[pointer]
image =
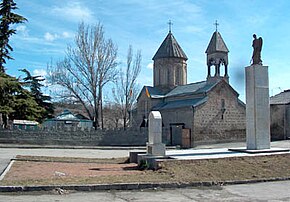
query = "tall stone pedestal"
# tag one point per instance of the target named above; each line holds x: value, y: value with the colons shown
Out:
x: 257, y: 108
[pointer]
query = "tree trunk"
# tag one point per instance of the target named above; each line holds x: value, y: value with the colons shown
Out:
x: 5, y: 120
x: 99, y: 109
x: 96, y: 121
x: 101, y: 113
x: 124, y: 122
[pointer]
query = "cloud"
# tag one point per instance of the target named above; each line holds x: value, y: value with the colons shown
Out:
x: 42, y: 73
x: 150, y: 65
x: 50, y: 37
x: 66, y: 35
x: 74, y: 11
x: 39, y: 72
x: 22, y: 30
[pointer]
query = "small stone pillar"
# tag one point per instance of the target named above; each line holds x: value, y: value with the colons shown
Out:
x: 155, y: 146
x: 257, y: 108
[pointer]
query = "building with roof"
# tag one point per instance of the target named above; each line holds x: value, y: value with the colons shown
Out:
x: 69, y: 122
x: 280, y: 115
x: 25, y: 124
x: 195, y: 113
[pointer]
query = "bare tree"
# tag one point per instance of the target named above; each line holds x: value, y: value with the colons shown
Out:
x: 112, y: 116
x: 87, y: 68
x: 125, y: 91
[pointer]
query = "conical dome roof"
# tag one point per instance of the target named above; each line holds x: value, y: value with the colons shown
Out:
x: 216, y: 44
x: 170, y: 49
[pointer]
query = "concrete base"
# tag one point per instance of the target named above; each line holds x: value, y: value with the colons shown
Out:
x: 257, y: 151
x: 133, y: 156
x: 156, y: 149
x: 149, y: 161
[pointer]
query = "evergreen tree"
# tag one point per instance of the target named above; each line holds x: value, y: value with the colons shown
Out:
x: 44, y: 101
x: 17, y: 102
x: 7, y: 18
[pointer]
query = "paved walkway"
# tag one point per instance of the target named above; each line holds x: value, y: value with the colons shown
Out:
x: 222, y: 151
x: 191, y: 154
x: 270, y: 191
x: 280, y: 144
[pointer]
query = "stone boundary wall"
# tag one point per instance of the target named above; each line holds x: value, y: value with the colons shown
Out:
x: 129, y: 137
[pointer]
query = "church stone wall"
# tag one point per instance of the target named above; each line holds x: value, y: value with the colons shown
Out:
x: 175, y: 116
x: 144, y: 106
x: 220, y: 119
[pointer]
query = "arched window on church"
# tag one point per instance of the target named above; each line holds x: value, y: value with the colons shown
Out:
x: 159, y: 77
x: 223, y: 107
x: 177, y: 76
x: 167, y: 76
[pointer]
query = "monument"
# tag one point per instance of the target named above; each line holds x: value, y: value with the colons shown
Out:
x: 155, y: 149
x: 257, y: 101
x: 257, y: 105
x: 155, y: 146
x: 257, y: 46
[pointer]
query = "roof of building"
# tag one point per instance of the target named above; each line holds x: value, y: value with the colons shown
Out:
x: 80, y: 116
x: 199, y: 90
x: 170, y: 49
x: 67, y: 115
x: 24, y: 122
x: 181, y: 103
x: 281, y: 98
x: 153, y: 92
x: 192, y: 88
x: 188, y: 89
x: 216, y: 44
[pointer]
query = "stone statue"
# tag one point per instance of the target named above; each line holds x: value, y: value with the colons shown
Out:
x: 257, y: 46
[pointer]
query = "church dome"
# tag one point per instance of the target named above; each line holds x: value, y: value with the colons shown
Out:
x: 170, y: 49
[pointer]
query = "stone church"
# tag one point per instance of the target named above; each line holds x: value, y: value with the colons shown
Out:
x: 202, y: 112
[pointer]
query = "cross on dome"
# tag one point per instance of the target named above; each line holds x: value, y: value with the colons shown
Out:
x: 170, y: 25
x: 216, y: 25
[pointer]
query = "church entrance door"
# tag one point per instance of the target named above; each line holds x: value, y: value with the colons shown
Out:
x: 176, y: 133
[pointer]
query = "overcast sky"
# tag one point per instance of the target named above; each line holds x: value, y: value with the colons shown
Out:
x: 52, y: 25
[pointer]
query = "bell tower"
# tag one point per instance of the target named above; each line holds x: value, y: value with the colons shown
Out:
x: 169, y: 67
x: 217, y: 56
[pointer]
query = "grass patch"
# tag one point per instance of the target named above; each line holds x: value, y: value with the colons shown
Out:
x: 234, y: 168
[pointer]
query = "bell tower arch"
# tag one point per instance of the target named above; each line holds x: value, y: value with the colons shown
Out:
x: 217, y: 57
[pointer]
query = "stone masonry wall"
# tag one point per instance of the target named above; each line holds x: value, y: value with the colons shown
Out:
x: 211, y: 124
x: 175, y: 116
x: 170, y: 72
x: 81, y: 138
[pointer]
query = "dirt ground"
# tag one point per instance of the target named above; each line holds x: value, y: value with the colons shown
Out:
x: 29, y: 170
x: 53, y: 170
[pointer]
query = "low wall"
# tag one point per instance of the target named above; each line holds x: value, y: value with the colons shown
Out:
x: 128, y: 137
